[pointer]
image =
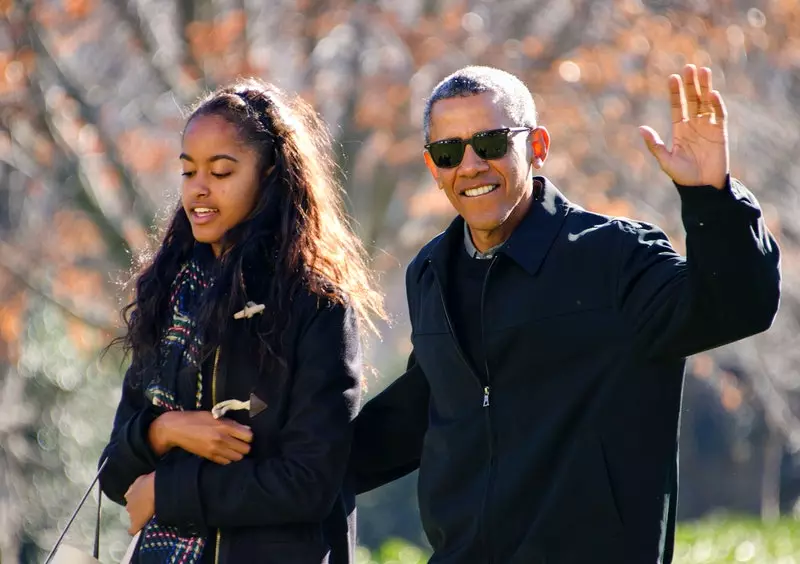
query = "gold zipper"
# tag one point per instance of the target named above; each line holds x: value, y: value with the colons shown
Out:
x: 214, y: 402
x: 214, y: 378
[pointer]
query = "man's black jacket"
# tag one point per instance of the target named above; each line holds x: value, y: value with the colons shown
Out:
x: 284, y: 502
x: 566, y: 452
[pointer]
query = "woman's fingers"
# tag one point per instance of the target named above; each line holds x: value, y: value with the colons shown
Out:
x: 236, y: 430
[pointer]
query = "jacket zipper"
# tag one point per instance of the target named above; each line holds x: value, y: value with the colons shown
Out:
x: 490, y: 432
x: 486, y: 390
x: 214, y: 402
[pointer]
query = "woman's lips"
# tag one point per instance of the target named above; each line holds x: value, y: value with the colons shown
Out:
x: 201, y: 216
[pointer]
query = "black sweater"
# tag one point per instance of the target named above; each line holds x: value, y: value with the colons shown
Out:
x: 464, y: 305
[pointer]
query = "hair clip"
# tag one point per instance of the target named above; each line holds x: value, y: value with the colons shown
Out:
x: 249, y: 311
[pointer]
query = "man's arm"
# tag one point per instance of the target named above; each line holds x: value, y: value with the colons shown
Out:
x: 391, y: 427
x: 390, y: 430
x: 726, y: 288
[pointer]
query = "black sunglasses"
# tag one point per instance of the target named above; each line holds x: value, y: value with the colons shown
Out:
x: 488, y: 145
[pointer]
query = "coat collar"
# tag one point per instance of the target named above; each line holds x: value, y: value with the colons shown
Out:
x: 528, y: 244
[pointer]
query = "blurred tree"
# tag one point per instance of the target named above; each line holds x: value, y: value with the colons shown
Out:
x: 91, y: 98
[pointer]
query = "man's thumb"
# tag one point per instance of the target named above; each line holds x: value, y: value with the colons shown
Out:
x: 654, y: 143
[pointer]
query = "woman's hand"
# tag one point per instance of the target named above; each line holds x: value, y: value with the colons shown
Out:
x: 219, y: 440
x: 140, y: 501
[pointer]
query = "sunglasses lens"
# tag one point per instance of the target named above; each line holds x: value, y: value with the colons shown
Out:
x: 487, y: 145
x: 447, y: 154
x: 491, y: 145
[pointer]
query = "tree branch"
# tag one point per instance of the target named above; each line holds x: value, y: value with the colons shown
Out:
x: 90, y: 114
x: 8, y: 264
x: 68, y: 173
x: 776, y: 405
x: 568, y: 37
x: 170, y: 77
x: 187, y: 13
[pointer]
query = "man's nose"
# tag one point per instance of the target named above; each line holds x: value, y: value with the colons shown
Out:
x: 472, y: 164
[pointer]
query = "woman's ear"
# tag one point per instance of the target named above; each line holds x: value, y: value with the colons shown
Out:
x: 540, y: 146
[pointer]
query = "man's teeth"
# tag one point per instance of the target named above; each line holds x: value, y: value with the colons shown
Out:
x: 479, y: 191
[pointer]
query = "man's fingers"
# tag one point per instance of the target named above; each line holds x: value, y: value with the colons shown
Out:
x: 677, y: 99
x: 720, y: 112
x: 692, y: 87
x: 706, y: 104
x: 704, y: 80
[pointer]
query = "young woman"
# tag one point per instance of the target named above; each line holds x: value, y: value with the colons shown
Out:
x: 232, y: 435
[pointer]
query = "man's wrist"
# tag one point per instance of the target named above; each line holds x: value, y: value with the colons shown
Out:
x: 724, y: 186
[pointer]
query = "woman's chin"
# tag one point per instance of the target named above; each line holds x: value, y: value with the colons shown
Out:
x: 203, y: 236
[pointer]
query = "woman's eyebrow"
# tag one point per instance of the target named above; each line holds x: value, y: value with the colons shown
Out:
x: 185, y: 157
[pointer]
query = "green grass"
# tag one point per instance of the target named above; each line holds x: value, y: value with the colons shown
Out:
x: 715, y: 540
x: 738, y: 539
x: 393, y: 551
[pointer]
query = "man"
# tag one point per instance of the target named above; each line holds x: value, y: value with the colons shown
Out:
x: 542, y: 398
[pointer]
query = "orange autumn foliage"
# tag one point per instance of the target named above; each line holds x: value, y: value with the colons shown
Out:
x: 12, y: 323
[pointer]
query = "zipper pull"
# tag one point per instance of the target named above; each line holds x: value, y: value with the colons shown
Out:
x: 486, y: 396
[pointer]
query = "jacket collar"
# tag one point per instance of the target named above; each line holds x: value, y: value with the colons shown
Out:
x: 528, y: 244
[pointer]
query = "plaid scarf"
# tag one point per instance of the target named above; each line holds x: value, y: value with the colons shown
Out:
x: 178, y: 386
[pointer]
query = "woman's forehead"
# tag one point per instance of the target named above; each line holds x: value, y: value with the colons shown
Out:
x: 209, y: 125
x: 212, y: 134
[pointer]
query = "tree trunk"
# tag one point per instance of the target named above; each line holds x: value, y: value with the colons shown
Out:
x: 771, y: 476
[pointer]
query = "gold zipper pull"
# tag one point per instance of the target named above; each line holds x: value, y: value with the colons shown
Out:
x: 486, y: 391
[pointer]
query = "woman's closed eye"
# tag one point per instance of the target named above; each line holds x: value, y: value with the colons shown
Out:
x: 190, y: 173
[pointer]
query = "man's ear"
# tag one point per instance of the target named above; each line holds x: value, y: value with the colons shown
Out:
x: 433, y: 168
x: 540, y: 146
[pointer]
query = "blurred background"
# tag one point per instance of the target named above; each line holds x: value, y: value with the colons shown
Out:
x: 92, y: 94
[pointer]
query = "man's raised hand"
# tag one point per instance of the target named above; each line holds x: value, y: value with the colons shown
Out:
x: 699, y: 153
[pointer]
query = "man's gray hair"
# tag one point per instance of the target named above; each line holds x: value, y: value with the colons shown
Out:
x: 510, y: 92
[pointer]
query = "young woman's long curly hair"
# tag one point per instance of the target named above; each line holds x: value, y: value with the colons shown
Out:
x: 297, y: 232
